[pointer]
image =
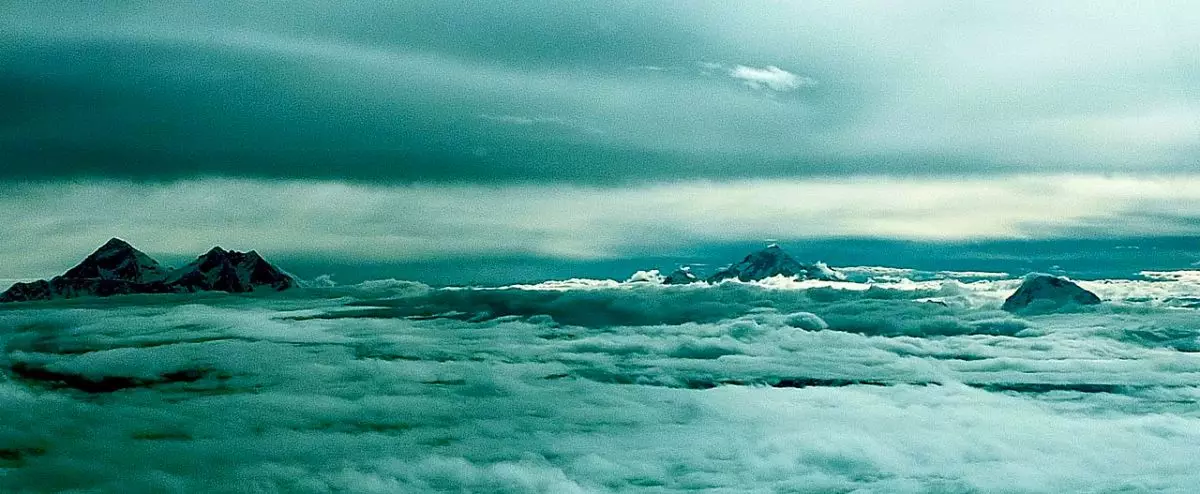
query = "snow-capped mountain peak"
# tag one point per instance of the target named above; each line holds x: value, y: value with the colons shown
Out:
x: 774, y: 261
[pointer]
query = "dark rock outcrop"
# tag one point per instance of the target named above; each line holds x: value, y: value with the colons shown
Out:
x: 773, y: 261
x: 34, y: 290
x: 116, y: 268
x: 681, y: 276
x: 1048, y: 292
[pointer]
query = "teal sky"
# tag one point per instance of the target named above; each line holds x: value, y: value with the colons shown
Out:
x: 396, y: 132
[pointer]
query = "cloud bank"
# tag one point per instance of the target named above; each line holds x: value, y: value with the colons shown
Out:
x: 390, y: 92
x: 588, y: 386
x: 372, y: 223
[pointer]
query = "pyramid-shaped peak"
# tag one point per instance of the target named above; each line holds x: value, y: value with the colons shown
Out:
x: 114, y: 247
x: 117, y: 260
x: 115, y: 244
x: 215, y: 251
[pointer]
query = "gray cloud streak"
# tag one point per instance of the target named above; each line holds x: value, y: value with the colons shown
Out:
x: 58, y: 223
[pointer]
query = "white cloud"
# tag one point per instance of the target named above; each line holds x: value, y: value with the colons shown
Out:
x: 986, y: 94
x: 510, y: 394
x: 770, y: 77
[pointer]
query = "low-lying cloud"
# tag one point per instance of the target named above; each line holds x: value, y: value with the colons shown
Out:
x: 592, y: 386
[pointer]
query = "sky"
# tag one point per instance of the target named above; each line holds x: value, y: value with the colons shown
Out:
x: 400, y: 133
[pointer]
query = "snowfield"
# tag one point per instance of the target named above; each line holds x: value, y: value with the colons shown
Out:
x: 880, y: 385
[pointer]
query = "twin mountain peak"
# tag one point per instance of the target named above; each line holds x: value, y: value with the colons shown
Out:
x: 117, y: 268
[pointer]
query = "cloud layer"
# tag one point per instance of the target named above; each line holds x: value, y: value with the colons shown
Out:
x: 587, y: 386
x: 392, y: 92
x: 57, y: 223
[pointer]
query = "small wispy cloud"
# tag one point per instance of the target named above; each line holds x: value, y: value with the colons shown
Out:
x: 522, y: 120
x: 770, y: 77
x: 534, y: 120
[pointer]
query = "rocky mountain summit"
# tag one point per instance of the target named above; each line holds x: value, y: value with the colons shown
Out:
x: 229, y: 271
x: 760, y: 265
x: 117, y: 268
x: 774, y: 261
x: 1048, y: 292
x: 681, y: 276
x: 117, y: 260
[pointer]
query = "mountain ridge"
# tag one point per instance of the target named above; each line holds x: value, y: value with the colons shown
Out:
x: 758, y: 265
x: 117, y: 268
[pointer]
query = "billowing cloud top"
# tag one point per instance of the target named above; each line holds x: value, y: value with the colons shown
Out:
x: 593, y: 387
x: 535, y: 92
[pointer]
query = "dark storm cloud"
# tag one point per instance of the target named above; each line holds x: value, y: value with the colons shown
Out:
x: 536, y: 91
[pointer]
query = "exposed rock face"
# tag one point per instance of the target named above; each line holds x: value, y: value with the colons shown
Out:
x: 1048, y: 292
x: 681, y: 276
x: 773, y: 261
x: 34, y: 290
x: 116, y: 268
x: 229, y: 271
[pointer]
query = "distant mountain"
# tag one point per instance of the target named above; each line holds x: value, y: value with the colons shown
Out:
x: 117, y: 268
x: 117, y: 260
x: 1048, y: 292
x: 774, y: 261
x: 229, y: 271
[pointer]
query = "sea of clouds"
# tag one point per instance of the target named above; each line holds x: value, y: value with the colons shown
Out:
x: 896, y: 382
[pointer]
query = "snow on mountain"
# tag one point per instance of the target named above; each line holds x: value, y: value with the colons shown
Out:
x: 681, y: 276
x: 651, y: 276
x: 774, y: 261
x: 229, y: 271
x: 1044, y: 291
x: 117, y: 260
